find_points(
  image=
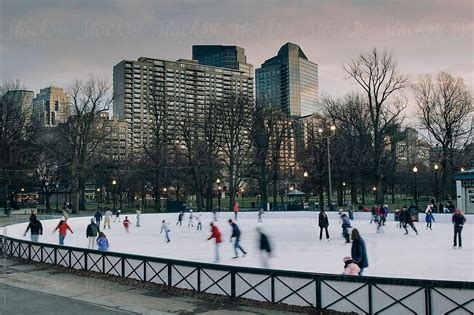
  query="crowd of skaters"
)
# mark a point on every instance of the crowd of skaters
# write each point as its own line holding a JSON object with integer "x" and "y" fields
{"x": 353, "y": 265}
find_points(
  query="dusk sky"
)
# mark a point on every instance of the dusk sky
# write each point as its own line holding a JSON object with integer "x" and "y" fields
{"x": 52, "y": 42}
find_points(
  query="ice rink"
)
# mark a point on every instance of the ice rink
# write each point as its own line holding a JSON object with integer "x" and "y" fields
{"x": 295, "y": 240}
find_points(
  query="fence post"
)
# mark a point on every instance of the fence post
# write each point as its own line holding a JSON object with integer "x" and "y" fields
{"x": 318, "y": 293}
{"x": 85, "y": 261}
{"x": 428, "y": 300}
{"x": 41, "y": 252}
{"x": 70, "y": 258}
{"x": 199, "y": 279}
{"x": 371, "y": 311}
{"x": 273, "y": 287}
{"x": 123, "y": 267}
{"x": 232, "y": 283}
{"x": 55, "y": 255}
{"x": 169, "y": 275}
{"x": 144, "y": 270}
{"x": 29, "y": 251}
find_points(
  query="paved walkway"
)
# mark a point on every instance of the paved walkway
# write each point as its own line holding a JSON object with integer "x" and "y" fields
{"x": 34, "y": 289}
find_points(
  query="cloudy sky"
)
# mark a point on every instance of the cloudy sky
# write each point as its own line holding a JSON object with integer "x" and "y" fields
{"x": 52, "y": 42}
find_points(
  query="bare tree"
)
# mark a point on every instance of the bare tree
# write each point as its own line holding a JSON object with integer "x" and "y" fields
{"x": 445, "y": 108}
{"x": 83, "y": 131}
{"x": 380, "y": 80}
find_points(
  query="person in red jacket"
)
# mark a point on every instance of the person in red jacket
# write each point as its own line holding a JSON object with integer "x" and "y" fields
{"x": 62, "y": 227}
{"x": 126, "y": 224}
{"x": 215, "y": 233}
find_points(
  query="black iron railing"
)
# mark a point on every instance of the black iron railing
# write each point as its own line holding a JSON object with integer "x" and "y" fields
{"x": 364, "y": 295}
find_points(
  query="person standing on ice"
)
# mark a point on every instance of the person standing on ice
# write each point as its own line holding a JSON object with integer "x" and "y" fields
{"x": 35, "y": 227}
{"x": 139, "y": 214}
{"x": 458, "y": 221}
{"x": 117, "y": 215}
{"x": 265, "y": 248}
{"x": 323, "y": 223}
{"x": 359, "y": 251}
{"x": 91, "y": 233}
{"x": 107, "y": 218}
{"x": 214, "y": 213}
{"x": 126, "y": 224}
{"x": 350, "y": 211}
{"x": 62, "y": 227}
{"x": 180, "y": 218}
{"x": 215, "y": 233}
{"x": 350, "y": 267}
{"x": 191, "y": 218}
{"x": 98, "y": 218}
{"x": 165, "y": 227}
{"x": 199, "y": 221}
{"x": 429, "y": 218}
{"x": 236, "y": 211}
{"x": 236, "y": 233}
{"x": 346, "y": 224}
{"x": 260, "y": 213}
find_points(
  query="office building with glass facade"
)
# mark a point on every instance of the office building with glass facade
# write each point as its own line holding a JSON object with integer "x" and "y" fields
{"x": 231, "y": 57}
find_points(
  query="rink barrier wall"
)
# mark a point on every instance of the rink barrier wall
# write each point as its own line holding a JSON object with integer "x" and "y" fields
{"x": 365, "y": 295}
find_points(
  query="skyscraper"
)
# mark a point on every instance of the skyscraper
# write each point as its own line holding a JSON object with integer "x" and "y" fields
{"x": 231, "y": 57}
{"x": 51, "y": 106}
{"x": 289, "y": 81}
{"x": 185, "y": 84}
{"x": 23, "y": 100}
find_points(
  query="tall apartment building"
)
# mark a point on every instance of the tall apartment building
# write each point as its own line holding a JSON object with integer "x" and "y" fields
{"x": 185, "y": 84}
{"x": 231, "y": 57}
{"x": 289, "y": 81}
{"x": 51, "y": 106}
{"x": 23, "y": 101}
{"x": 115, "y": 144}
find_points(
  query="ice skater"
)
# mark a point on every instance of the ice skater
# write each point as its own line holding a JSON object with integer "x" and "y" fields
{"x": 126, "y": 224}
{"x": 199, "y": 221}
{"x": 265, "y": 248}
{"x": 408, "y": 220}
{"x": 350, "y": 211}
{"x": 260, "y": 214}
{"x": 214, "y": 213}
{"x": 346, "y": 224}
{"x": 359, "y": 251}
{"x": 429, "y": 218}
{"x": 139, "y": 214}
{"x": 236, "y": 211}
{"x": 323, "y": 223}
{"x": 35, "y": 227}
{"x": 91, "y": 233}
{"x": 215, "y": 233}
{"x": 62, "y": 227}
{"x": 236, "y": 234}
{"x": 102, "y": 242}
{"x": 98, "y": 218}
{"x": 165, "y": 227}
{"x": 180, "y": 218}
{"x": 458, "y": 220}
{"x": 117, "y": 215}
{"x": 107, "y": 218}
{"x": 350, "y": 267}
{"x": 191, "y": 218}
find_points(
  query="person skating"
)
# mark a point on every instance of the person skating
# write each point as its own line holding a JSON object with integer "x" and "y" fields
{"x": 260, "y": 214}
{"x": 102, "y": 242}
{"x": 408, "y": 220}
{"x": 191, "y": 218}
{"x": 458, "y": 220}
{"x": 236, "y": 234}
{"x": 107, "y": 218}
{"x": 373, "y": 211}
{"x": 91, "y": 233}
{"x": 429, "y": 218}
{"x": 350, "y": 211}
{"x": 126, "y": 224}
{"x": 215, "y": 233}
{"x": 139, "y": 214}
{"x": 265, "y": 248}
{"x": 62, "y": 227}
{"x": 323, "y": 223}
{"x": 214, "y": 213}
{"x": 359, "y": 251}
{"x": 180, "y": 218}
{"x": 98, "y": 218}
{"x": 236, "y": 211}
{"x": 35, "y": 227}
{"x": 346, "y": 224}
{"x": 350, "y": 267}
{"x": 165, "y": 227}
{"x": 117, "y": 215}
{"x": 199, "y": 221}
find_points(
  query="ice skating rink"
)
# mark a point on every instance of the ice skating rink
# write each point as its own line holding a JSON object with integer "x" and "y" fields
{"x": 295, "y": 240}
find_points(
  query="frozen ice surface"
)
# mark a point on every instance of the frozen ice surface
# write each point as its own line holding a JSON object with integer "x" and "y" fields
{"x": 295, "y": 239}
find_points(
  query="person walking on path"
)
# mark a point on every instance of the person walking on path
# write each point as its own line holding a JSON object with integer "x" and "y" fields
{"x": 458, "y": 221}
{"x": 107, "y": 218}
{"x": 359, "y": 251}
{"x": 265, "y": 248}
{"x": 180, "y": 218}
{"x": 91, "y": 233}
{"x": 350, "y": 267}
{"x": 139, "y": 214}
{"x": 35, "y": 227}
{"x": 215, "y": 233}
{"x": 323, "y": 223}
{"x": 102, "y": 242}
{"x": 191, "y": 218}
{"x": 62, "y": 227}
{"x": 236, "y": 211}
{"x": 199, "y": 221}
{"x": 98, "y": 218}
{"x": 165, "y": 227}
{"x": 236, "y": 234}
{"x": 260, "y": 214}
{"x": 429, "y": 218}
{"x": 126, "y": 224}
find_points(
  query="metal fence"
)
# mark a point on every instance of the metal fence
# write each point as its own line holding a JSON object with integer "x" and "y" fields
{"x": 364, "y": 295}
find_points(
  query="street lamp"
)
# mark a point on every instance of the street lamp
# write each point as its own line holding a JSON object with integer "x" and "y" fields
{"x": 305, "y": 174}
{"x": 374, "y": 189}
{"x": 344, "y": 193}
{"x": 219, "y": 195}
{"x": 98, "y": 198}
{"x": 114, "y": 182}
{"x": 436, "y": 167}
{"x": 415, "y": 170}
{"x": 166, "y": 196}
{"x": 57, "y": 201}
{"x": 242, "y": 197}
{"x": 320, "y": 130}
{"x": 462, "y": 169}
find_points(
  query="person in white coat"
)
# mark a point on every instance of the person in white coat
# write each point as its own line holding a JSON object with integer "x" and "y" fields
{"x": 191, "y": 218}
{"x": 165, "y": 227}
{"x": 107, "y": 218}
{"x": 139, "y": 214}
{"x": 199, "y": 221}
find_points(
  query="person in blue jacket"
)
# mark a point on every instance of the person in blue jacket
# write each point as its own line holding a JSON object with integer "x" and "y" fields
{"x": 102, "y": 242}
{"x": 429, "y": 216}
{"x": 98, "y": 218}
{"x": 359, "y": 251}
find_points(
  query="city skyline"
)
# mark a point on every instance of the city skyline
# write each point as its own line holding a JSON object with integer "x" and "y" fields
{"x": 45, "y": 43}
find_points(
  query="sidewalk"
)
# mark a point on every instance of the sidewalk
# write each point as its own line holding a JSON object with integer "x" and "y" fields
{"x": 35, "y": 288}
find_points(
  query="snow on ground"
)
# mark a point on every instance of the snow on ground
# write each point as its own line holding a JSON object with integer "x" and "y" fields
{"x": 295, "y": 238}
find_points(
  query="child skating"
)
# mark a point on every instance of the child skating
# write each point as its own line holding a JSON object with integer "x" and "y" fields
{"x": 62, "y": 227}
{"x": 102, "y": 242}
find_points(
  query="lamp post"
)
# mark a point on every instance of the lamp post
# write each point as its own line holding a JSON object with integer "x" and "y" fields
{"x": 218, "y": 181}
{"x": 98, "y": 198}
{"x": 242, "y": 197}
{"x": 305, "y": 175}
{"x": 436, "y": 167}
{"x": 320, "y": 130}
{"x": 114, "y": 182}
{"x": 374, "y": 189}
{"x": 343, "y": 193}
{"x": 166, "y": 196}
{"x": 415, "y": 170}
{"x": 57, "y": 201}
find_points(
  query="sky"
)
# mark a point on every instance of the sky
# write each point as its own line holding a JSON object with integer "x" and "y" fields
{"x": 46, "y": 42}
